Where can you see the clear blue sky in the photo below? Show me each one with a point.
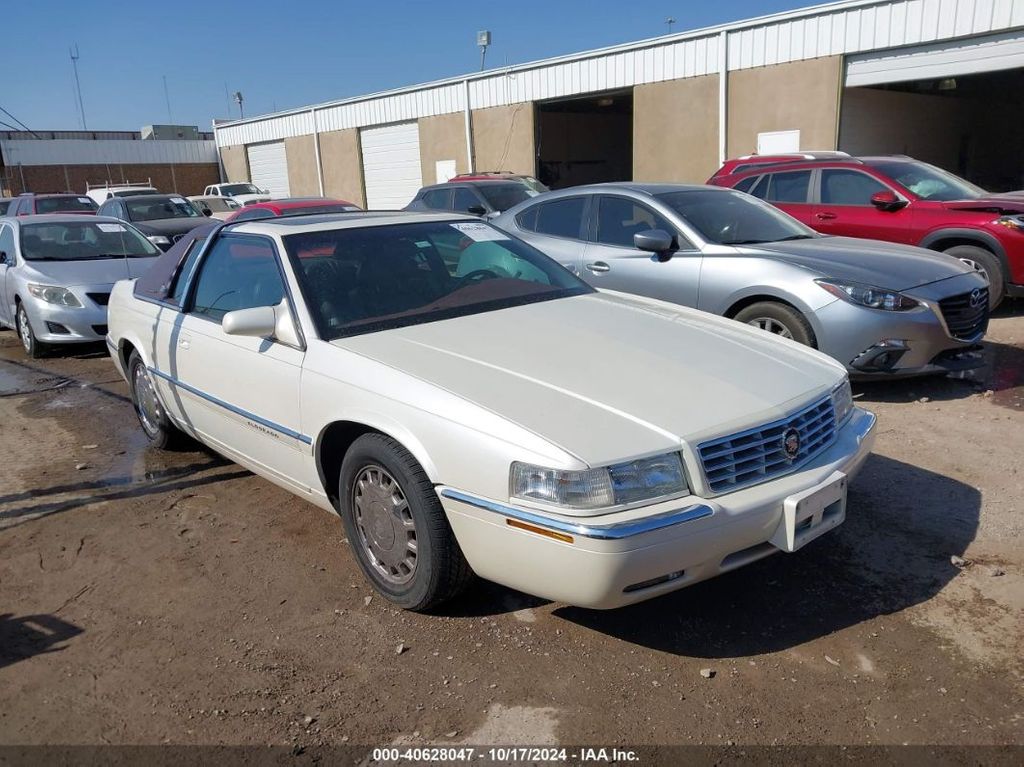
(286, 54)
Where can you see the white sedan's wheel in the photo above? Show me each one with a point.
(387, 530)
(152, 418)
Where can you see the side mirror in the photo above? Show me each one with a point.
(271, 322)
(477, 210)
(653, 241)
(887, 200)
(206, 210)
(3, 256)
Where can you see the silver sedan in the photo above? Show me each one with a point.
(881, 309)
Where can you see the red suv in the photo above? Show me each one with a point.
(898, 199)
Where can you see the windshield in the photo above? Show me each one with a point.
(375, 278)
(535, 185)
(733, 218)
(928, 182)
(330, 207)
(160, 208)
(504, 196)
(132, 192)
(65, 205)
(232, 189)
(85, 241)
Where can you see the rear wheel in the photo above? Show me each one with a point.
(397, 527)
(779, 319)
(33, 348)
(985, 262)
(152, 417)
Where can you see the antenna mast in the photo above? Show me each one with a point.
(75, 56)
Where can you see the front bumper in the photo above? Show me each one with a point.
(55, 324)
(604, 562)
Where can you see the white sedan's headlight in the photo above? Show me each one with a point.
(645, 479)
(159, 240)
(52, 294)
(842, 402)
(869, 296)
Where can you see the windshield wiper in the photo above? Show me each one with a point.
(796, 237)
(743, 242)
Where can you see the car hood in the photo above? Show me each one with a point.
(871, 262)
(246, 199)
(71, 274)
(608, 377)
(170, 226)
(1011, 202)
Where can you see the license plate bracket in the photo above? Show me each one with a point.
(812, 513)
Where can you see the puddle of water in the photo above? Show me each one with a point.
(16, 380)
(1006, 376)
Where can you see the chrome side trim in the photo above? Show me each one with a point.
(232, 408)
(612, 532)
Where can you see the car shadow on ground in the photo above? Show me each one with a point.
(903, 524)
(30, 635)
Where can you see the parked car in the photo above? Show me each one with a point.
(583, 447)
(242, 193)
(214, 207)
(897, 199)
(294, 206)
(163, 218)
(503, 175)
(5, 204)
(100, 193)
(879, 308)
(485, 198)
(56, 273)
(31, 204)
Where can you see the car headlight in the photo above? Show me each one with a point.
(158, 240)
(52, 294)
(1011, 222)
(869, 296)
(630, 482)
(842, 402)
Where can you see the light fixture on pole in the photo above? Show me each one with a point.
(483, 39)
(238, 100)
(670, 21)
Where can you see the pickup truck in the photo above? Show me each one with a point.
(243, 193)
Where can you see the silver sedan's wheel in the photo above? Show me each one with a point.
(387, 530)
(28, 339)
(771, 325)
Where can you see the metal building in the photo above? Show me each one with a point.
(936, 79)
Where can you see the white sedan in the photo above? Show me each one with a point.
(467, 405)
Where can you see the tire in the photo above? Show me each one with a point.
(387, 498)
(780, 319)
(32, 346)
(155, 424)
(986, 262)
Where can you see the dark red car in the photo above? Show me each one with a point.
(31, 204)
(897, 199)
(292, 206)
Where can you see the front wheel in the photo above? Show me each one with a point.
(152, 418)
(780, 319)
(33, 348)
(987, 264)
(397, 527)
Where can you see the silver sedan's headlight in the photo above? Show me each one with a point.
(842, 402)
(52, 294)
(869, 296)
(645, 479)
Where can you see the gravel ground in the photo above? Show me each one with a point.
(150, 598)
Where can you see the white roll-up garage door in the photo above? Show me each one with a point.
(391, 165)
(268, 168)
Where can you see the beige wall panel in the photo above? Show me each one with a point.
(503, 138)
(442, 138)
(343, 165)
(675, 130)
(802, 95)
(302, 175)
(236, 163)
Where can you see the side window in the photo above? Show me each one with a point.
(789, 187)
(438, 199)
(744, 184)
(619, 218)
(7, 244)
(561, 218)
(239, 272)
(464, 200)
(528, 219)
(848, 187)
(177, 293)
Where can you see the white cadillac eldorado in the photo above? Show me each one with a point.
(467, 405)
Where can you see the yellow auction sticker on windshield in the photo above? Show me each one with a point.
(480, 232)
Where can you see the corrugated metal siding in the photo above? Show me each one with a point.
(855, 26)
(121, 152)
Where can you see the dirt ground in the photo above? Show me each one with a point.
(150, 598)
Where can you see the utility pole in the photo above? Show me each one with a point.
(238, 100)
(167, 98)
(73, 52)
(483, 39)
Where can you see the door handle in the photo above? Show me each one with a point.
(598, 266)
(825, 216)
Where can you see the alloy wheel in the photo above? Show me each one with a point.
(24, 329)
(771, 325)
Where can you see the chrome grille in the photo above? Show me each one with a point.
(966, 315)
(757, 455)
